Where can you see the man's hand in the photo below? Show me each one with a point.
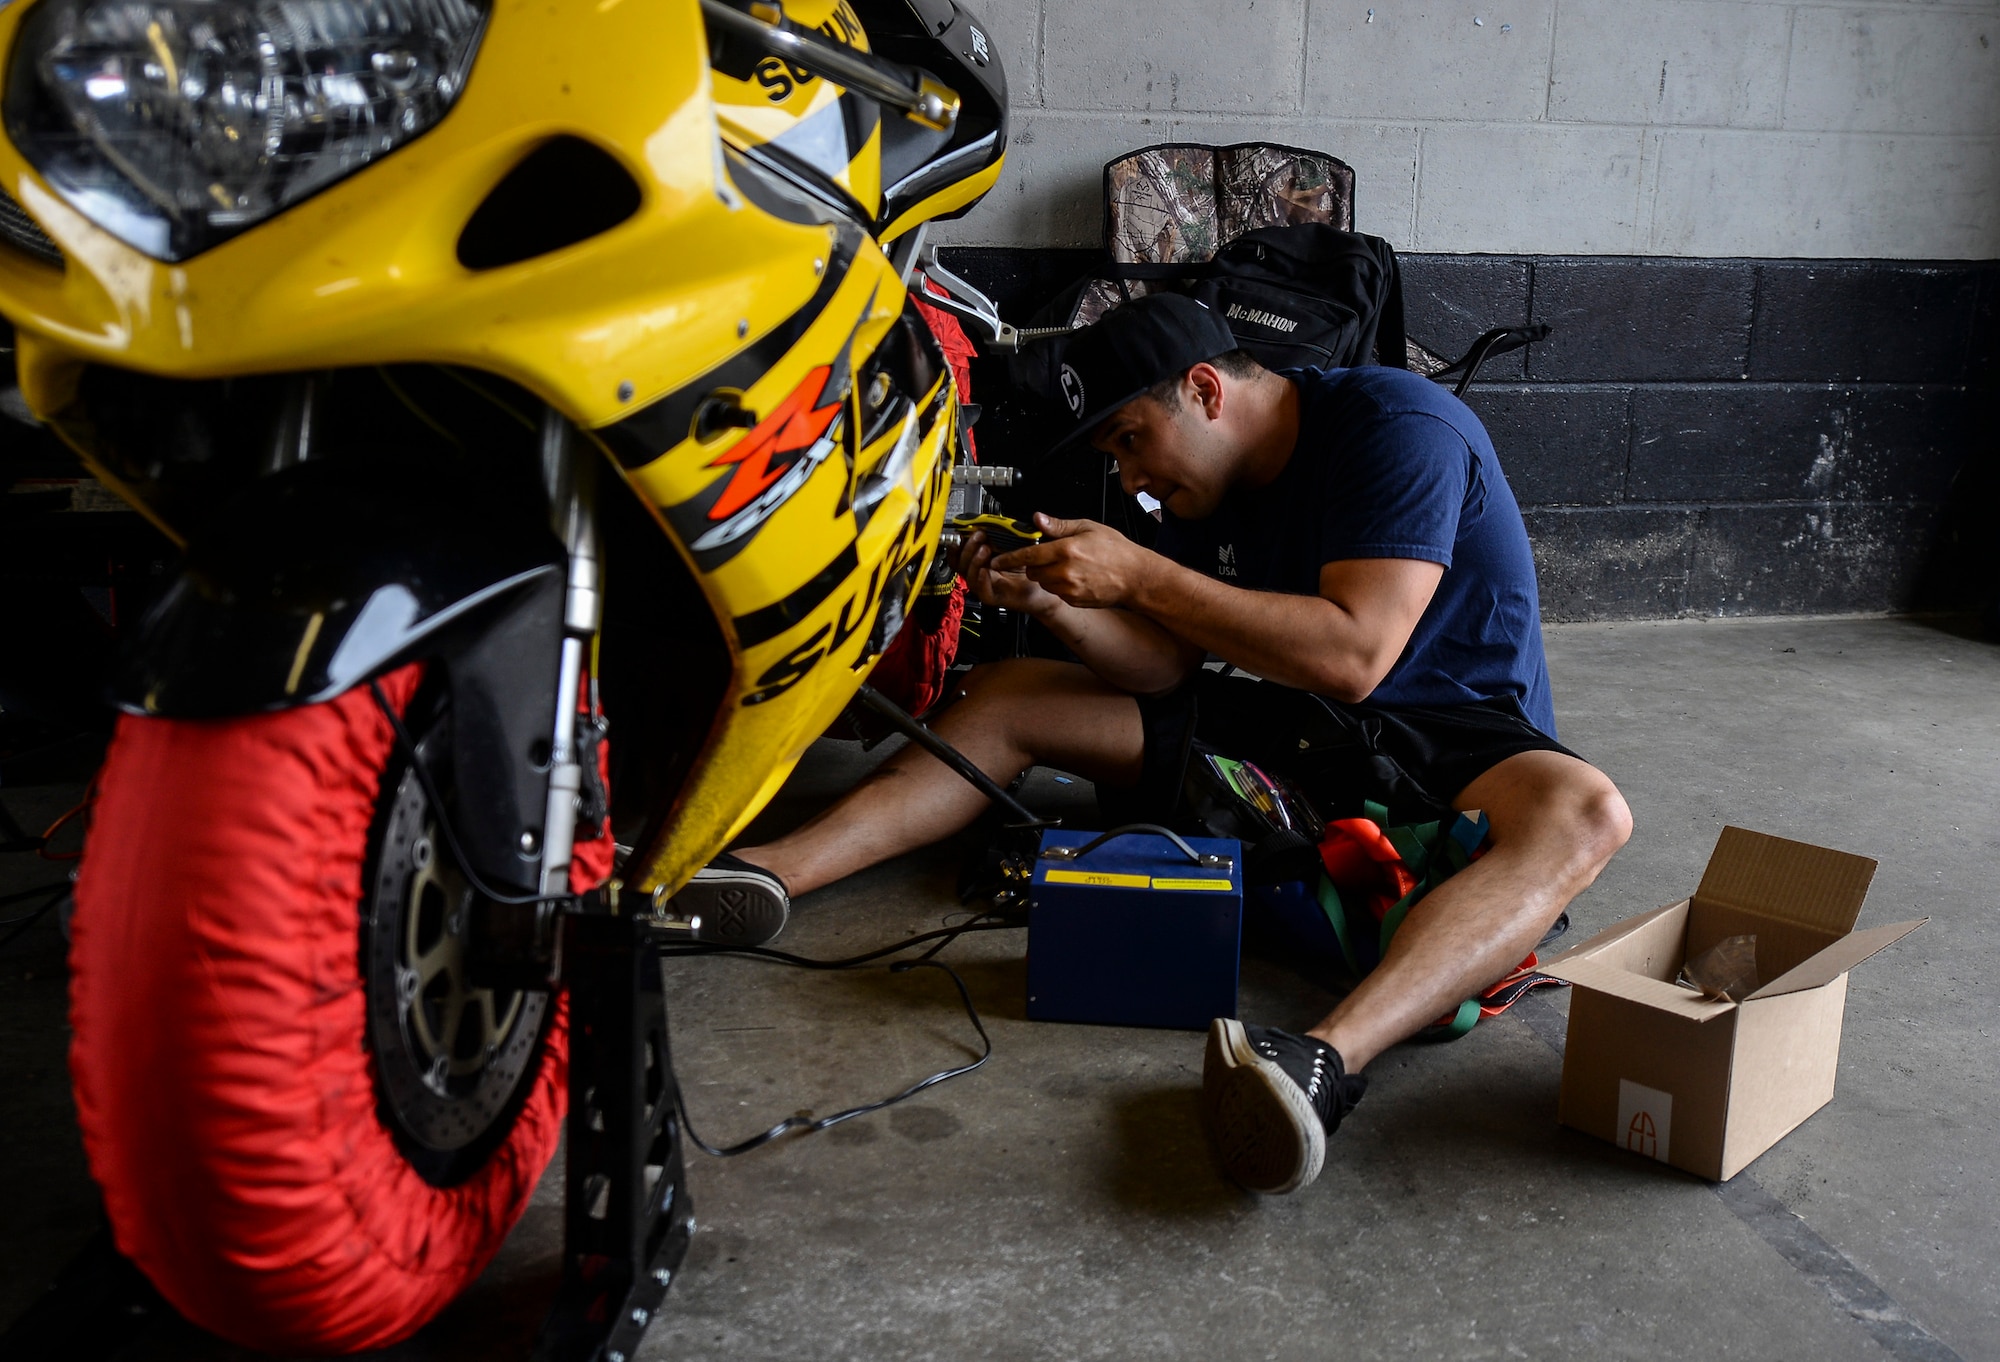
(973, 560)
(1082, 563)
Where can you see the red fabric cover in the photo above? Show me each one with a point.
(1360, 859)
(958, 348)
(222, 1083)
(913, 668)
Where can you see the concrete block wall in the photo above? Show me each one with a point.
(1618, 127)
(1697, 437)
(1735, 437)
(1765, 233)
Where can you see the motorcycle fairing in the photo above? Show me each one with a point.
(624, 333)
(813, 587)
(366, 272)
(890, 172)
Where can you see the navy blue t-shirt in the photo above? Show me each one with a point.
(1390, 465)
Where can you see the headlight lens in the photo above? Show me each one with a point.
(175, 124)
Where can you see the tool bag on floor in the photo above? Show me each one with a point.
(1339, 890)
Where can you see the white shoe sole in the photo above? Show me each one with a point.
(732, 908)
(1264, 1130)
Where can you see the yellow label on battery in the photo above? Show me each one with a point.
(1192, 884)
(1099, 878)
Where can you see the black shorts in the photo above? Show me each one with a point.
(1414, 758)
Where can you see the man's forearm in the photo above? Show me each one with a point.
(1304, 641)
(1125, 650)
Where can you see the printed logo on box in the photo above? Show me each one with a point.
(1645, 1120)
(1100, 879)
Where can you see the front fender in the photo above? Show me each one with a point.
(320, 577)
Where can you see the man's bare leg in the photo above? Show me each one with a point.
(1014, 714)
(1556, 822)
(1269, 1098)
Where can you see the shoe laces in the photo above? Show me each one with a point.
(1315, 1067)
(1314, 1079)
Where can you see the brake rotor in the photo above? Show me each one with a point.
(450, 1057)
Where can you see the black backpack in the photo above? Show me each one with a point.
(1304, 295)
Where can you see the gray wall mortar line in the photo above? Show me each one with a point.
(1631, 445)
(1652, 158)
(1785, 78)
(1697, 507)
(1107, 113)
(1697, 532)
(1549, 78)
(1305, 54)
(1417, 195)
(1862, 6)
(1042, 54)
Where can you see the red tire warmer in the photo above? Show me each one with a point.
(222, 1082)
(913, 669)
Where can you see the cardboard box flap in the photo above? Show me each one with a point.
(1606, 977)
(1617, 931)
(1792, 881)
(1842, 956)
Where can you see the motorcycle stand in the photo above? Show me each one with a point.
(627, 1216)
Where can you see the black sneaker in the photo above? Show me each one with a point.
(1270, 1099)
(733, 903)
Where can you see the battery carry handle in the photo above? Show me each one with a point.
(1205, 861)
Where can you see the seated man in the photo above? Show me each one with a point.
(1347, 533)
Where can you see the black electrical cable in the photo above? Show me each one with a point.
(29, 893)
(423, 774)
(27, 920)
(808, 1123)
(948, 935)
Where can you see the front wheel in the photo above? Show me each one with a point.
(311, 1129)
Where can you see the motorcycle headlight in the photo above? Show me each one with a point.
(175, 124)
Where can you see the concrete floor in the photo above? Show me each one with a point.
(1061, 1203)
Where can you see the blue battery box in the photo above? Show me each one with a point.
(1141, 930)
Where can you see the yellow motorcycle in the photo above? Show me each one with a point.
(511, 377)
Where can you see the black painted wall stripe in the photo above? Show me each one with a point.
(1698, 437)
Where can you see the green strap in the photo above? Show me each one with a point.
(1378, 814)
(1414, 844)
(1336, 917)
(1463, 1020)
(1393, 919)
(1433, 853)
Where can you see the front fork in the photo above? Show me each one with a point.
(627, 1215)
(569, 474)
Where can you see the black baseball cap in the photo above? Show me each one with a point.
(1131, 348)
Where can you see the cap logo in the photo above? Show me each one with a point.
(1072, 390)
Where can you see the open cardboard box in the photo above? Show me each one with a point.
(1706, 1084)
